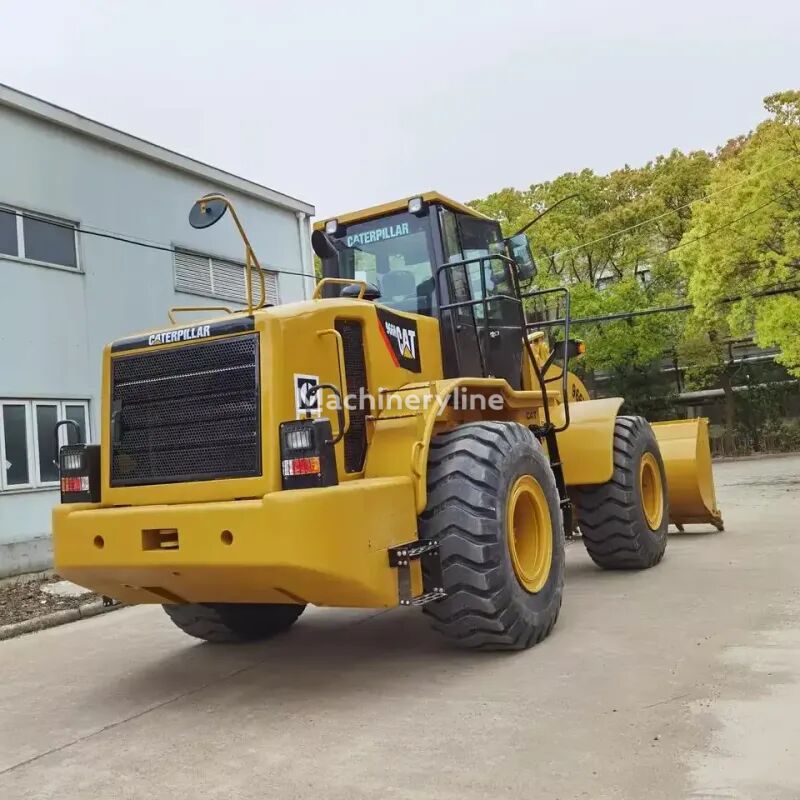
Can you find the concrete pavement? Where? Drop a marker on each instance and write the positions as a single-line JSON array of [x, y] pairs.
[[679, 682]]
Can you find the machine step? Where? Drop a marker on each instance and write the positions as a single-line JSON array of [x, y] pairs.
[[427, 553]]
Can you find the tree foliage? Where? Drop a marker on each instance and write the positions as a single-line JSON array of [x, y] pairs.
[[607, 245], [746, 236], [695, 227]]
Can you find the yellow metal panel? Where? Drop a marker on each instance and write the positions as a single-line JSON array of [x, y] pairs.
[[586, 447], [323, 546], [293, 341], [399, 205], [686, 453], [402, 437]]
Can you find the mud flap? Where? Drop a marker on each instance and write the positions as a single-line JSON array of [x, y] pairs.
[[686, 452]]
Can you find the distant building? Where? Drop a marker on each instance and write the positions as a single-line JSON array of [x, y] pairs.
[[66, 292]]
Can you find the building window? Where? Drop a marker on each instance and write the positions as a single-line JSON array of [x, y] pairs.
[[28, 450], [8, 232], [46, 240], [15, 454], [207, 276]]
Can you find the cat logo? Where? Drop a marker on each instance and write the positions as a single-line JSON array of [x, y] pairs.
[[306, 396], [406, 339], [400, 335]]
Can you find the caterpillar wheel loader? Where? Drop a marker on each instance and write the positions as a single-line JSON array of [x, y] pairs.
[[404, 438]]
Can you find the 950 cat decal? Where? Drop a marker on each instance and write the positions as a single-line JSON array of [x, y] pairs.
[[400, 335]]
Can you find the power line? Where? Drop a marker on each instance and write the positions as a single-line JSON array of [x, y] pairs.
[[625, 315], [118, 237], [707, 196], [712, 231]]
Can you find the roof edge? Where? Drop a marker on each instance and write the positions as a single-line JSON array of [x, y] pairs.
[[364, 214], [35, 107]]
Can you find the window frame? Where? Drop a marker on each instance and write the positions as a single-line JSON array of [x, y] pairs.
[[4, 485], [36, 405], [20, 215], [35, 482]]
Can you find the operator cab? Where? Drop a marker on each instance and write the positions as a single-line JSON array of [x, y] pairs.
[[434, 256]]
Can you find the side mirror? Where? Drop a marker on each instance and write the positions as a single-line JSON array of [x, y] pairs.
[[323, 247], [207, 211], [519, 249], [326, 251]]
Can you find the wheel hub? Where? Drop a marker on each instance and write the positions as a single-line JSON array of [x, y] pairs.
[[651, 490], [530, 533]]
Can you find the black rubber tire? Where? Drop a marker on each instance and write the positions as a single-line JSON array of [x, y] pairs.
[[228, 623], [611, 516], [471, 471]]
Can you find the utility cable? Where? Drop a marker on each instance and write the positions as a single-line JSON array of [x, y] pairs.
[[118, 237], [710, 232], [707, 196], [644, 312]]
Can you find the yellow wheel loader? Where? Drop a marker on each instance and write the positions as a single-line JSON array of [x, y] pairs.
[[406, 437]]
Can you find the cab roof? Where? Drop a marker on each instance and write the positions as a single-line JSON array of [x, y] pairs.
[[399, 205]]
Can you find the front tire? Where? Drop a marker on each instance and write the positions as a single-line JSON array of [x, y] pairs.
[[624, 521], [228, 623], [494, 508]]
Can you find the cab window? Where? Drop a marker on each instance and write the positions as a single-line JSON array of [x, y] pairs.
[[394, 254], [466, 238]]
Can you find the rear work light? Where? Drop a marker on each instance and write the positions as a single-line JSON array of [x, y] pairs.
[[79, 468], [307, 455]]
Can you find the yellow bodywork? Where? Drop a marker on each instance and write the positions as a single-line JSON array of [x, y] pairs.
[[686, 452], [246, 539], [325, 546]]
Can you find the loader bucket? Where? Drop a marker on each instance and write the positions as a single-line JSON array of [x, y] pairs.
[[687, 461]]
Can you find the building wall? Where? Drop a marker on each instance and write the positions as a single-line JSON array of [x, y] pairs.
[[54, 322]]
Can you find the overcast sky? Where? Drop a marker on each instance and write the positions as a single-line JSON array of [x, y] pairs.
[[349, 103]]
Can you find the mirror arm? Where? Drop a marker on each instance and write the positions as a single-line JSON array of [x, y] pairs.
[[546, 211], [250, 256]]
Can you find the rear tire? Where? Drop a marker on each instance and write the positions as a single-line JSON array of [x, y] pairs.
[[227, 623], [613, 517], [477, 474]]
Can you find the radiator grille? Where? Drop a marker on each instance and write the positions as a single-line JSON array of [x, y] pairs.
[[355, 440], [190, 413]]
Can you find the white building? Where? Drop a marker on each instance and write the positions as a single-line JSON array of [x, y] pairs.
[[68, 186]]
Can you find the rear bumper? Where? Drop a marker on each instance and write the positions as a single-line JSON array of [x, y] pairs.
[[323, 546]]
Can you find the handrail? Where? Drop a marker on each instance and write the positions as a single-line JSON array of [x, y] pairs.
[[553, 354], [181, 309], [340, 282], [483, 300], [345, 414], [525, 326]]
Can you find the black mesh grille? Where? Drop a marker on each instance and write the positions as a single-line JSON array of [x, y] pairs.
[[355, 440], [186, 414]]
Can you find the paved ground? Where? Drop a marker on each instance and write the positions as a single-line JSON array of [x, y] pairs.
[[676, 683]]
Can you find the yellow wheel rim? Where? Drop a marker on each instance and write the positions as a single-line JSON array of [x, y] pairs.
[[651, 490], [530, 533]]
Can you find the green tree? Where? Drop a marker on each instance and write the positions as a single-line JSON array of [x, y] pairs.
[[746, 235], [607, 246]]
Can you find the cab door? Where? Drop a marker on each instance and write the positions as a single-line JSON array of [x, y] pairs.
[[486, 339]]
